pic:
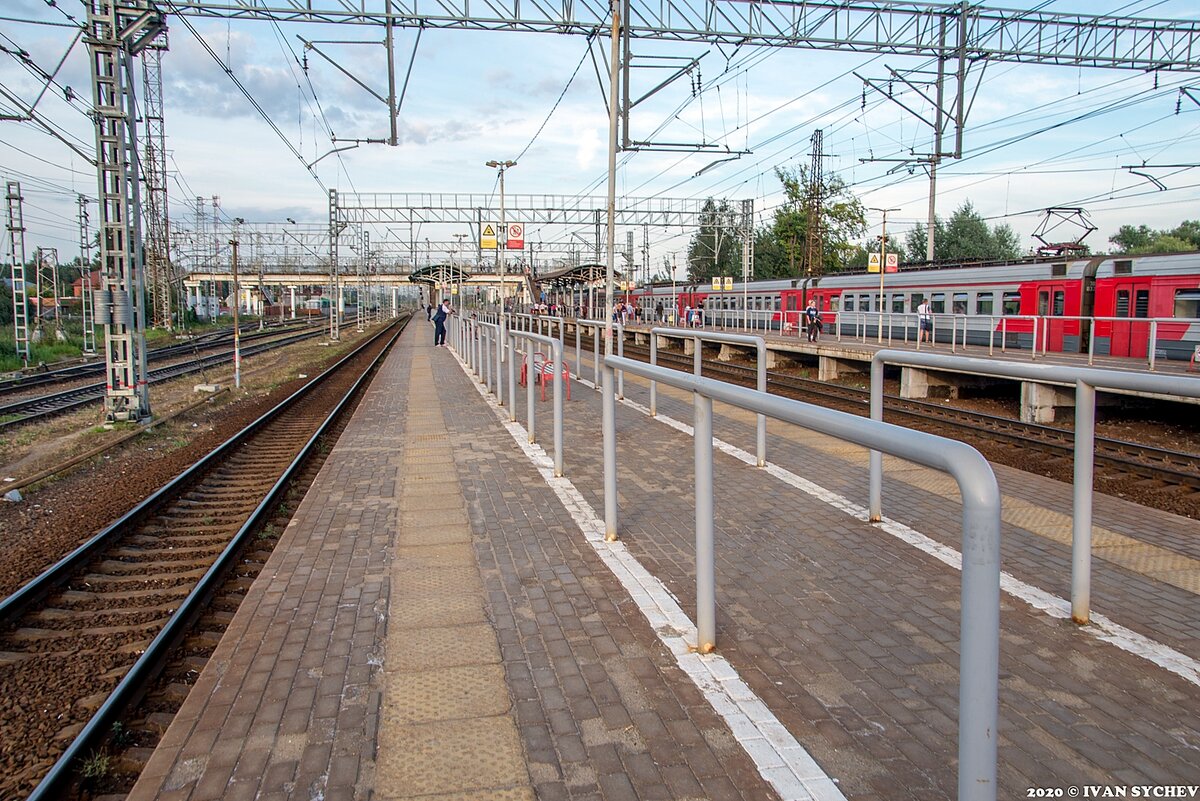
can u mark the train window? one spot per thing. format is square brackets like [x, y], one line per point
[1012, 302]
[1141, 303]
[849, 303]
[1187, 303]
[778, 303]
[937, 302]
[834, 303]
[1122, 302]
[791, 304]
[1043, 303]
[1059, 303]
[1123, 267]
[1058, 270]
[897, 304]
[864, 303]
[916, 300]
[983, 303]
[960, 303]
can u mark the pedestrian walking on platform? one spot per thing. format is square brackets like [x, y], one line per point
[439, 323]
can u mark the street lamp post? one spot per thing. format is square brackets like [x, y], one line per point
[882, 265]
[502, 234]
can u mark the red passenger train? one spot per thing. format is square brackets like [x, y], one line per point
[1124, 295]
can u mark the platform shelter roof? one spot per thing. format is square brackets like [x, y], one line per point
[578, 274]
[435, 274]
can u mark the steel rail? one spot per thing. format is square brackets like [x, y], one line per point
[75, 397]
[132, 684]
[1146, 461]
[30, 380]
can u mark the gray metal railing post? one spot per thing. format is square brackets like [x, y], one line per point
[653, 384]
[578, 341]
[499, 365]
[1086, 380]
[512, 376]
[529, 404]
[1081, 525]
[557, 353]
[608, 416]
[874, 457]
[1153, 341]
[706, 576]
[979, 649]
[698, 337]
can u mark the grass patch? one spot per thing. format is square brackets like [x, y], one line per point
[96, 766]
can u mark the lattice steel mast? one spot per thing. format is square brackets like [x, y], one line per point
[116, 32]
[814, 232]
[16, 240]
[159, 267]
[85, 290]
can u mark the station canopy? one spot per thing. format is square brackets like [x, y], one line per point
[440, 274]
[578, 274]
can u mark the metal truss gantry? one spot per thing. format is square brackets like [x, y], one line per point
[960, 32]
[996, 34]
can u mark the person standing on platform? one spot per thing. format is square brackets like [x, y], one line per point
[813, 316]
[439, 323]
[925, 318]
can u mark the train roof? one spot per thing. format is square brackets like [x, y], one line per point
[935, 276]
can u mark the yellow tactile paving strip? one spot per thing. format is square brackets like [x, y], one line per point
[445, 694]
[1161, 564]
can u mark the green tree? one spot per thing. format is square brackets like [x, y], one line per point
[966, 236]
[716, 248]
[1131, 240]
[771, 259]
[843, 219]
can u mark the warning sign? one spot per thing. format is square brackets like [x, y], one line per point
[891, 262]
[516, 236]
[716, 285]
[728, 282]
[487, 237]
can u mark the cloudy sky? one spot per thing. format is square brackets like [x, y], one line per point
[1035, 137]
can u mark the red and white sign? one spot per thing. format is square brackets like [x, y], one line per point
[892, 263]
[516, 236]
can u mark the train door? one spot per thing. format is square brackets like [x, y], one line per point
[1129, 336]
[1051, 306]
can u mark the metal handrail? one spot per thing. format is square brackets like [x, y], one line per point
[760, 346]
[1086, 381]
[979, 651]
[557, 351]
[600, 325]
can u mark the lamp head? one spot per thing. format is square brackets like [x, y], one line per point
[492, 164]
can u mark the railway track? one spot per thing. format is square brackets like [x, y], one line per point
[26, 410]
[1116, 458]
[32, 379]
[84, 639]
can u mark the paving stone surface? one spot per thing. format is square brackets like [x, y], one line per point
[439, 627]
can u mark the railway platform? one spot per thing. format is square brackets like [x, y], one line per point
[442, 620]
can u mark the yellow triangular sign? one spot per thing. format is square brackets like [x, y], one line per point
[487, 231]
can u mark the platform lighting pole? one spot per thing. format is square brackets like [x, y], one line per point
[502, 234]
[882, 265]
[614, 64]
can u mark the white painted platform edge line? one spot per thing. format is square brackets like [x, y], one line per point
[1102, 627]
[780, 759]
